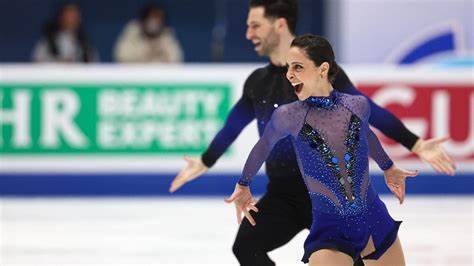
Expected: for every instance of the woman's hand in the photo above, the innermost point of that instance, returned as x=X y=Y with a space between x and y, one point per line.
x=395 y=179
x=244 y=202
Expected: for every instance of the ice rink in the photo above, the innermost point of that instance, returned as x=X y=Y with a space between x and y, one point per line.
x=437 y=230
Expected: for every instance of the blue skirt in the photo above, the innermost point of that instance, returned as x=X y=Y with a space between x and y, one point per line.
x=350 y=234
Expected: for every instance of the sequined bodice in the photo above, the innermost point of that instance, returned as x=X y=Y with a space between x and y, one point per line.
x=331 y=155
x=332 y=140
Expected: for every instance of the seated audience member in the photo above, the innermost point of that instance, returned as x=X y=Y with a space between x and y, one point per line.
x=148 y=39
x=64 y=39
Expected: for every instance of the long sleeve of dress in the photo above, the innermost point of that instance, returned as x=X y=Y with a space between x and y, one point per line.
x=275 y=130
x=239 y=117
x=361 y=107
x=377 y=152
x=380 y=118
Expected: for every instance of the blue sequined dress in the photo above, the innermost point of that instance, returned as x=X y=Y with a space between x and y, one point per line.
x=332 y=140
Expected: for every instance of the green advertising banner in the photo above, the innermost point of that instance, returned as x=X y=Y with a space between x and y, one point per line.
x=111 y=118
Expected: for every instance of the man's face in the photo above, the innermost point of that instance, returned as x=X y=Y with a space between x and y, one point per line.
x=261 y=31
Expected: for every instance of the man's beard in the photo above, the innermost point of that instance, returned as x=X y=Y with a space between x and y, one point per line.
x=270 y=45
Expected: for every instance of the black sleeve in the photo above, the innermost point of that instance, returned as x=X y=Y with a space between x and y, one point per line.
x=239 y=117
x=380 y=118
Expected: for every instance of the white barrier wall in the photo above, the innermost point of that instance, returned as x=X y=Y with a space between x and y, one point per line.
x=377 y=31
x=141 y=118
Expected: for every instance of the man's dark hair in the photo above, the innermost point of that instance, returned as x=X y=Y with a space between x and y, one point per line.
x=287 y=9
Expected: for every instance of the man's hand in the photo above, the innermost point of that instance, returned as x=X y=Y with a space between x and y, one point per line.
x=430 y=151
x=194 y=169
x=244 y=202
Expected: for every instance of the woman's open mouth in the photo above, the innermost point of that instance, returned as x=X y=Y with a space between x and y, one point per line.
x=298 y=87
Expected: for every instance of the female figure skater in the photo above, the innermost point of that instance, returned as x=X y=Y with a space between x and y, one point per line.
x=332 y=139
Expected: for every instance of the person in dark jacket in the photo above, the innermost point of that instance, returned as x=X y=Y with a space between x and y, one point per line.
x=64 y=39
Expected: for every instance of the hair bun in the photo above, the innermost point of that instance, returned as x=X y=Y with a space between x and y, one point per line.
x=333 y=71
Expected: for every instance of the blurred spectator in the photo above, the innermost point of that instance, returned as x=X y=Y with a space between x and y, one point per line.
x=148 y=40
x=64 y=39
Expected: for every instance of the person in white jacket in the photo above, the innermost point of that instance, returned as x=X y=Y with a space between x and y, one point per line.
x=148 y=40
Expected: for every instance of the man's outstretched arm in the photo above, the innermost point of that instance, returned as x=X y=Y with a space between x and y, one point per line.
x=239 y=117
x=429 y=150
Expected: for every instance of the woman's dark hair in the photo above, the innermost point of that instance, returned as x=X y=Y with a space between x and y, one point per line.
x=319 y=50
x=52 y=28
x=287 y=9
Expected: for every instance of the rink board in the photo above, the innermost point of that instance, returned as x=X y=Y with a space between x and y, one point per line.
x=102 y=124
x=214 y=184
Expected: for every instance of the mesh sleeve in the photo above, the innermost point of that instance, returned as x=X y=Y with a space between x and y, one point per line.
x=360 y=105
x=376 y=151
x=276 y=129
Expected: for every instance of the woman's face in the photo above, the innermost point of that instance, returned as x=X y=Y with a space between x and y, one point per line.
x=303 y=74
x=70 y=18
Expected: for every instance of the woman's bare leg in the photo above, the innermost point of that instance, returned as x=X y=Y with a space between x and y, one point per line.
x=393 y=256
x=330 y=257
